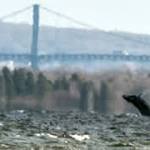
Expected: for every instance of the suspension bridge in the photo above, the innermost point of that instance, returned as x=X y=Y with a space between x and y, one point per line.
x=35 y=58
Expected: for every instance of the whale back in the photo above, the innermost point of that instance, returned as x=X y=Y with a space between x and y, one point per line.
x=139 y=103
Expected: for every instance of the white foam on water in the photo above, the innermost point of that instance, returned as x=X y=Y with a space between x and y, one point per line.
x=52 y=136
x=1 y=124
x=46 y=134
x=80 y=137
x=20 y=111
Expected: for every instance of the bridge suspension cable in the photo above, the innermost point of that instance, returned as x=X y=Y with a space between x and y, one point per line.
x=92 y=27
x=129 y=38
x=15 y=13
x=69 y=18
x=73 y=21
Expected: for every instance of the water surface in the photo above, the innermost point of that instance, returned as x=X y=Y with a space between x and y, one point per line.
x=28 y=130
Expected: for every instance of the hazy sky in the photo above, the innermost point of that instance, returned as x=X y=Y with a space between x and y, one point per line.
x=124 y=15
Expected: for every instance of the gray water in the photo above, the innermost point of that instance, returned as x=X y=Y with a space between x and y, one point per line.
x=28 y=130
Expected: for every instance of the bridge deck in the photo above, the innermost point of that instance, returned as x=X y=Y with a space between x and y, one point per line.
x=74 y=57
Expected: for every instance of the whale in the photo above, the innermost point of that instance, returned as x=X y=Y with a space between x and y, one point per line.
x=139 y=103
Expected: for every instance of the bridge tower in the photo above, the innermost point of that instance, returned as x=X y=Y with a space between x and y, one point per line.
x=35 y=33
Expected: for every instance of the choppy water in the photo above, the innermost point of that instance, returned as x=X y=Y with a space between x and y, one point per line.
x=27 y=130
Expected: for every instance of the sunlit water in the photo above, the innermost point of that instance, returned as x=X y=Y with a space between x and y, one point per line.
x=21 y=130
